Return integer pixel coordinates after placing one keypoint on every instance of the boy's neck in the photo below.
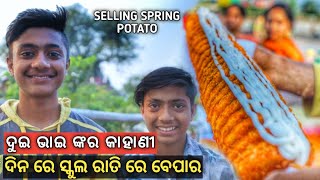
(173, 149)
(39, 112)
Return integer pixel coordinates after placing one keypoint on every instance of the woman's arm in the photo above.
(295, 77)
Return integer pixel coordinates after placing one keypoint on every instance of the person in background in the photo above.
(233, 17)
(279, 21)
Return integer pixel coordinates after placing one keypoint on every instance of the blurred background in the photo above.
(106, 66)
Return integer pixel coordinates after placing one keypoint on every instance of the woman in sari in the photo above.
(279, 23)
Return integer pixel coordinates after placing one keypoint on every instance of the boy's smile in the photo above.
(40, 77)
(168, 112)
(170, 129)
(38, 61)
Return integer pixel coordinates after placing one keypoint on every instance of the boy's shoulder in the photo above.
(213, 157)
(84, 123)
(3, 116)
(216, 166)
(194, 148)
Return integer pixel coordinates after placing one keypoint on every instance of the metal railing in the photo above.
(109, 116)
(113, 116)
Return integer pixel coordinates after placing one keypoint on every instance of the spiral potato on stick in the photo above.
(252, 125)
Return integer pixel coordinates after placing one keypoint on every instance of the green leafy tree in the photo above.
(309, 8)
(86, 95)
(3, 51)
(97, 38)
(293, 6)
(131, 84)
(80, 71)
(11, 88)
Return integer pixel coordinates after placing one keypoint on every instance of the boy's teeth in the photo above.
(167, 129)
(41, 77)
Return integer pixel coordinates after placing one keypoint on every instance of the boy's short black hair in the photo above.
(285, 8)
(162, 77)
(31, 18)
(241, 9)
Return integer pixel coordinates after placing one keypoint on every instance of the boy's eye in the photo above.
(54, 54)
(27, 54)
(153, 105)
(178, 106)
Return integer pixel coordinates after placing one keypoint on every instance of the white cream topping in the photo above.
(286, 133)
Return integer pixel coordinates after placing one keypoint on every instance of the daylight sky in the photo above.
(155, 50)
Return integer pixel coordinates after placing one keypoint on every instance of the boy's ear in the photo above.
(10, 65)
(141, 109)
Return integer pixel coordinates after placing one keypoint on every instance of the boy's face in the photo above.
(38, 62)
(168, 112)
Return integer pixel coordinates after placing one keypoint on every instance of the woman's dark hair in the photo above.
(241, 9)
(163, 77)
(285, 8)
(31, 18)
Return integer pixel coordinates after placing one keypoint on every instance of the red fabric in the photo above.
(247, 37)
